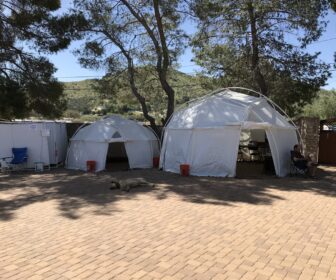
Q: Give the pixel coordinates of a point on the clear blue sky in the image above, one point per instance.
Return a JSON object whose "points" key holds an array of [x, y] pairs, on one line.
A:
{"points": [[70, 70]]}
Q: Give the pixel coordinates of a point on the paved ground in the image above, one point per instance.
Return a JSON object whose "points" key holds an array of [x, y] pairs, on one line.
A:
{"points": [[69, 225]]}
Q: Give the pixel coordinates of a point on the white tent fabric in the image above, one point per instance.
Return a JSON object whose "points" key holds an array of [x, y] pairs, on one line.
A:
{"points": [[91, 143], [205, 134], [46, 140]]}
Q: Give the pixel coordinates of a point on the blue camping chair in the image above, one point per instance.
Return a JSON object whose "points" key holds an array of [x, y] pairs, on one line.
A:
{"points": [[20, 157]]}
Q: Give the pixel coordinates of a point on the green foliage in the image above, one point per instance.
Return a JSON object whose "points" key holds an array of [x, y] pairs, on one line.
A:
{"points": [[12, 97], [81, 96], [238, 43], [113, 96], [333, 4], [323, 106], [246, 43], [125, 36], [27, 85]]}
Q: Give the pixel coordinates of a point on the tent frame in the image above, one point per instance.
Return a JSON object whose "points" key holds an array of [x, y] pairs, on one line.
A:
{"points": [[272, 103]]}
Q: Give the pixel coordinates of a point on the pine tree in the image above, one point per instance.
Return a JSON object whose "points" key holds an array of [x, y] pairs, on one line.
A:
{"points": [[122, 36], [27, 28], [261, 44]]}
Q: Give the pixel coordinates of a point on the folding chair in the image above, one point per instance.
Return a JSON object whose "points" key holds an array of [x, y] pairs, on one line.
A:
{"points": [[294, 170], [19, 158]]}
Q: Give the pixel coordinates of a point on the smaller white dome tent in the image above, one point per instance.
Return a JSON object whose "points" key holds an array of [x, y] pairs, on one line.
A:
{"points": [[205, 133], [91, 143]]}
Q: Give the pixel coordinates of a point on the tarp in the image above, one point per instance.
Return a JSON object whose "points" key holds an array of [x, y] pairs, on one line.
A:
{"points": [[205, 134], [91, 143]]}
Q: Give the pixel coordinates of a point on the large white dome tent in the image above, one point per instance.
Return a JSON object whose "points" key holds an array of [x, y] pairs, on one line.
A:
{"points": [[205, 132], [92, 143]]}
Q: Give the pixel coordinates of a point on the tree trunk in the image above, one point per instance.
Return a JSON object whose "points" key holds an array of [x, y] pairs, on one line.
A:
{"points": [[163, 64], [131, 80], [258, 76], [161, 50], [140, 98], [171, 98]]}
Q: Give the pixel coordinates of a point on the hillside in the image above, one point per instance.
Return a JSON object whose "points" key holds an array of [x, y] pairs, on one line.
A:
{"points": [[90, 99], [323, 106]]}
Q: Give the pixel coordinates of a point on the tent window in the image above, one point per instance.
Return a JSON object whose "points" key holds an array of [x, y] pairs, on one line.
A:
{"points": [[116, 135]]}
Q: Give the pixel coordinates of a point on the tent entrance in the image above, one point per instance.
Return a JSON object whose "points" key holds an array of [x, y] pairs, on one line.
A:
{"points": [[116, 158], [254, 157]]}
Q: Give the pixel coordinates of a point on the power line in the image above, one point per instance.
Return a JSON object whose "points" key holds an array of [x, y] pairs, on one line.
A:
{"points": [[156, 87], [87, 88], [326, 40], [69, 77], [190, 65], [101, 76], [184, 66]]}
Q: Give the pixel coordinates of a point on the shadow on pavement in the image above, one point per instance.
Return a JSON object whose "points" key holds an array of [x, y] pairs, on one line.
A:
{"points": [[78, 193]]}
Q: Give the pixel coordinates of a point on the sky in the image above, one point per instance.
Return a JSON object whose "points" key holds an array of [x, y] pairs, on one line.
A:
{"points": [[68, 68]]}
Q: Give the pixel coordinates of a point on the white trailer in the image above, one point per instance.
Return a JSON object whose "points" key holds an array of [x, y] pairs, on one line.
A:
{"points": [[46, 140]]}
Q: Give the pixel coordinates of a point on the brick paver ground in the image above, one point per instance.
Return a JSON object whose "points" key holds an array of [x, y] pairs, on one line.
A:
{"points": [[70, 225]]}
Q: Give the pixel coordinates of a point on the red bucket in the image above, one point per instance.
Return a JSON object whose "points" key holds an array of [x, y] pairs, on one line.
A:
{"points": [[91, 166], [184, 169], [156, 162]]}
